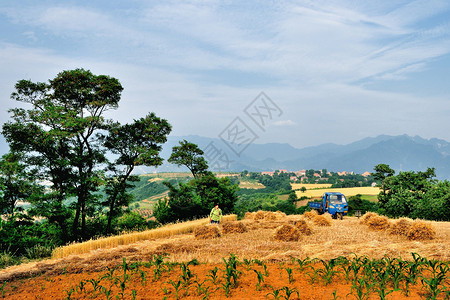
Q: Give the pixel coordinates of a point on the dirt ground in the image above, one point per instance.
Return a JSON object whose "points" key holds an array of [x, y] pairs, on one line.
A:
{"points": [[73, 277]]}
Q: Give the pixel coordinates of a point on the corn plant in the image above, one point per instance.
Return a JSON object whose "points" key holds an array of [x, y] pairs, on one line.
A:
{"points": [[328, 271], [177, 286], [80, 287], [434, 285], [290, 276], [213, 275], [69, 294], [231, 271], [276, 293], [2, 289], [247, 263], [289, 292], [361, 288], [260, 278], [186, 274], [95, 285]]}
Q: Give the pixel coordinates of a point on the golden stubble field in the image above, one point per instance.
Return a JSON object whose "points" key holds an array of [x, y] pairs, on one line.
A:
{"points": [[53, 278]]}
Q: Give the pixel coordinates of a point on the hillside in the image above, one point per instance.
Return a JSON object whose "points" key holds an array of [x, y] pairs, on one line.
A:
{"points": [[56, 277], [402, 153]]}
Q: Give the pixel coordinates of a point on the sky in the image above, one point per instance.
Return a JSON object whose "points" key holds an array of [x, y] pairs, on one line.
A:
{"points": [[297, 72]]}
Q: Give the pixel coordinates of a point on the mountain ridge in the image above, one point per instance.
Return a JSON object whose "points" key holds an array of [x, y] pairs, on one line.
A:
{"points": [[401, 152]]}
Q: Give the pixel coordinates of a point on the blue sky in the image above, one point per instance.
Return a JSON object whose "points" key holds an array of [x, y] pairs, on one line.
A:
{"points": [[338, 70]]}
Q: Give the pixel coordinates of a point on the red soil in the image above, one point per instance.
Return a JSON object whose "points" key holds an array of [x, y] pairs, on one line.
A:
{"points": [[57, 287]]}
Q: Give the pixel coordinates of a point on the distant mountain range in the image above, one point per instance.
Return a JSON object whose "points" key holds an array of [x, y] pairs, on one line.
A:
{"points": [[402, 153]]}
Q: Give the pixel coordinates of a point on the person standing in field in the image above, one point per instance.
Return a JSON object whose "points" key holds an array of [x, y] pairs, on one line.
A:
{"points": [[215, 216]]}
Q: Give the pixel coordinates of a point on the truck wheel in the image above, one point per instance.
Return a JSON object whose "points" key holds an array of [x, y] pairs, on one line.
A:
{"points": [[339, 216]]}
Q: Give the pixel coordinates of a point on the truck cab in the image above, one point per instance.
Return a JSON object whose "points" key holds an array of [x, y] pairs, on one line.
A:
{"points": [[333, 203]]}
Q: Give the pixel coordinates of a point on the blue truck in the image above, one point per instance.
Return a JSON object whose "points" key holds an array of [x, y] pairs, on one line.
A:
{"points": [[333, 203]]}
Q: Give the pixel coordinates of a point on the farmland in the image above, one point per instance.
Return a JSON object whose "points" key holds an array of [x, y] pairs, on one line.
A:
{"points": [[316, 192], [267, 266]]}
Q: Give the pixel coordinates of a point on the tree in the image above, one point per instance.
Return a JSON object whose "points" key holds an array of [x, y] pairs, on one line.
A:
{"points": [[382, 171], [190, 156], [65, 137], [136, 144], [195, 198], [15, 182]]}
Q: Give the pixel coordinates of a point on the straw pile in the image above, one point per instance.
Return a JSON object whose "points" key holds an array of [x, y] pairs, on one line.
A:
{"points": [[249, 215], [206, 232], [233, 227], [378, 222], [310, 215], [322, 220], [270, 216], [303, 227], [286, 233], [420, 231], [366, 217], [259, 215], [400, 227]]}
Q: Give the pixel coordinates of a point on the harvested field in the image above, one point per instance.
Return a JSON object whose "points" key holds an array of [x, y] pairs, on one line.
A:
{"points": [[54, 277]]}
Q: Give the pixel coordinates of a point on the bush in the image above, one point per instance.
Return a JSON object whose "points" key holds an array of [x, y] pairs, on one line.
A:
{"points": [[131, 221]]}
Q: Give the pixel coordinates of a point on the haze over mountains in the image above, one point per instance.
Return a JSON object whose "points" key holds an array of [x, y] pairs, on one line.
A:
{"points": [[402, 153]]}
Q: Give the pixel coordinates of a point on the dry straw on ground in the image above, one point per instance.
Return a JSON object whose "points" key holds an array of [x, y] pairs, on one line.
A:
{"points": [[207, 232], [400, 227], [322, 220], [286, 233], [310, 215], [233, 227], [125, 239], [378, 223], [421, 230], [303, 227]]}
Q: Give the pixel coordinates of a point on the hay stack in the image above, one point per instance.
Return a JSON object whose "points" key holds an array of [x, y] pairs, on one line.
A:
{"points": [[400, 227], [270, 216], [286, 233], [366, 217], [249, 215], [206, 232], [303, 227], [233, 227], [259, 215], [420, 231], [322, 220], [378, 222], [280, 215], [310, 215]]}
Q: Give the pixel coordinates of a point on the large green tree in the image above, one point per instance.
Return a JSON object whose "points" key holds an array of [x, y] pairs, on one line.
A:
{"points": [[15, 182], [63, 131], [191, 156], [382, 171], [135, 144]]}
